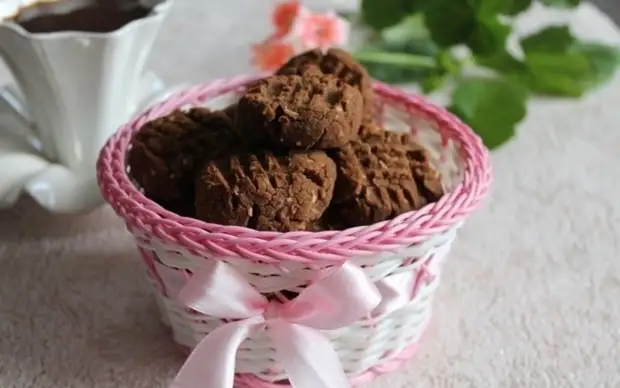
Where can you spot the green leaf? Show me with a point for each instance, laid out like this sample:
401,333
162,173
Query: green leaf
561,3
489,36
571,74
399,63
559,74
471,22
551,39
411,28
557,64
433,82
450,22
515,7
447,65
603,60
501,61
557,85
488,7
492,107
485,8
397,59
394,74
380,14
571,64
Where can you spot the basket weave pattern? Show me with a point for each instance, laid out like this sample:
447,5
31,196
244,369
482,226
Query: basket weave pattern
173,247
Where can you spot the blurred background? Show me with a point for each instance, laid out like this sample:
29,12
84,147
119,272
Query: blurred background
530,298
611,7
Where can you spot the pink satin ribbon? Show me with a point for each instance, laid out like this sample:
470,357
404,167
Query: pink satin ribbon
307,356
400,289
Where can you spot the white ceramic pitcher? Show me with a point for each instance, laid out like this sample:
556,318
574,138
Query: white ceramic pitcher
74,90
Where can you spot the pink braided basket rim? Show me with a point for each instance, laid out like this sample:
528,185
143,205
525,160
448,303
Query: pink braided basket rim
140,213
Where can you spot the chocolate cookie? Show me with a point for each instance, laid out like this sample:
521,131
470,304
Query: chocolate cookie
266,192
306,63
336,62
306,112
231,111
165,152
381,175
182,207
427,178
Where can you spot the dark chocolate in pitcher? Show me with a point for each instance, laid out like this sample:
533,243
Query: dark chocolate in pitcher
98,16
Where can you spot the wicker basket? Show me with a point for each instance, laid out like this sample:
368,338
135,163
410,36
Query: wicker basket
416,243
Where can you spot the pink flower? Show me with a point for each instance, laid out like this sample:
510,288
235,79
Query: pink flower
313,29
271,54
297,29
321,30
284,16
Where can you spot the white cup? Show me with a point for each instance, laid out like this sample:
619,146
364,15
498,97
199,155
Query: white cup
74,89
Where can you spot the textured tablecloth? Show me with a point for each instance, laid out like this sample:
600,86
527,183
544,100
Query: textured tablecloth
530,296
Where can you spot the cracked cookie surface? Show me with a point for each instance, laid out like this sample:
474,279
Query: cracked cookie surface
165,152
309,112
381,175
336,62
265,191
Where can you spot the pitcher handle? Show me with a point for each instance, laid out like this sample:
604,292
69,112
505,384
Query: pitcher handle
12,103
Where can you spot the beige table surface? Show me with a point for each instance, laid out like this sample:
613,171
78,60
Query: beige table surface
531,294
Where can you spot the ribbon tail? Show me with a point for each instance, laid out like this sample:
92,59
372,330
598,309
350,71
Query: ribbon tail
307,356
212,363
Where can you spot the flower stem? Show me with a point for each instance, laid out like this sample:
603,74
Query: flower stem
399,59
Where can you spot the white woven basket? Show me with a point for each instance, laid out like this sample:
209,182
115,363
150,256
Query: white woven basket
359,346
369,344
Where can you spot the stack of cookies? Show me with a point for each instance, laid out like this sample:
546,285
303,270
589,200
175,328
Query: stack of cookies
299,151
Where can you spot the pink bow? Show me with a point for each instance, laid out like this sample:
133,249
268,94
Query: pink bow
398,290
306,354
